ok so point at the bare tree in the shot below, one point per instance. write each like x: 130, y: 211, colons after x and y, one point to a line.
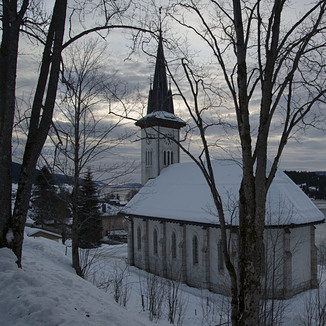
x: 83, y: 129
x: 50, y: 33
x: 273, y: 72
x: 12, y: 225
x: 12, y: 19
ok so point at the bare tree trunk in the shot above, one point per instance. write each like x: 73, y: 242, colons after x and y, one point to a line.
x: 250, y: 232
x: 75, y: 230
x: 11, y: 22
x: 40, y: 122
x: 249, y: 263
x: 12, y: 225
x: 75, y: 222
x: 270, y: 62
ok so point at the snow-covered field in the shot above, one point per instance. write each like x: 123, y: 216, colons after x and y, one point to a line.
x: 46, y: 291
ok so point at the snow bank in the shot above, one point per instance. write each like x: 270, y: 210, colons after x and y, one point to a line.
x: 46, y: 291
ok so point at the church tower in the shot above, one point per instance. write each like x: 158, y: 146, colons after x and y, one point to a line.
x: 160, y: 126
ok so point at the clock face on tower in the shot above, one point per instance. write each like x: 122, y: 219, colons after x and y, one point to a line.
x: 149, y: 138
x: 168, y: 139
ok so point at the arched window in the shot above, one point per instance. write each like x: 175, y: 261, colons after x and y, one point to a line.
x: 155, y: 242
x: 195, y: 250
x: 167, y: 157
x: 220, y: 257
x: 174, y: 245
x: 138, y: 238
x: 149, y: 158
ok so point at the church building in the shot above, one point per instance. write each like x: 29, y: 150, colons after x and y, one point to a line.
x: 173, y: 225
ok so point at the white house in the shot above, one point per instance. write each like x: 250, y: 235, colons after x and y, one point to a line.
x: 173, y: 225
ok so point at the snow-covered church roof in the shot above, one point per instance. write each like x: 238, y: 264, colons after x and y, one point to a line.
x: 180, y: 193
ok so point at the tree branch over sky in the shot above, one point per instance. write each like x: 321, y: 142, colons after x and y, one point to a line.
x: 272, y: 67
x: 81, y: 138
x: 22, y: 16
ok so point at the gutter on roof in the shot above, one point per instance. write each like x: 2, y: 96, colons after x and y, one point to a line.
x: 204, y: 224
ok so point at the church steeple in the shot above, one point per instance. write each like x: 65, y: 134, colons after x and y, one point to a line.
x: 160, y: 128
x: 160, y: 97
x: 160, y: 110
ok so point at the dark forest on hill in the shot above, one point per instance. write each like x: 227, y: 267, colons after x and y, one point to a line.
x: 312, y: 183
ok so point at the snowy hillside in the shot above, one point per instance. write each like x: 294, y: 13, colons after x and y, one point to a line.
x: 48, y: 292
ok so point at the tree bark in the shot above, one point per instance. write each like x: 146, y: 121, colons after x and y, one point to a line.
x: 277, y: 58
x: 40, y: 122
x: 250, y: 231
x: 11, y: 22
x: 75, y: 219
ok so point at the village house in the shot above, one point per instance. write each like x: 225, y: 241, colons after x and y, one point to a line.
x: 173, y: 225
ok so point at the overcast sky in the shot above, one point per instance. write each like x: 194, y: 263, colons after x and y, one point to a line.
x: 306, y: 152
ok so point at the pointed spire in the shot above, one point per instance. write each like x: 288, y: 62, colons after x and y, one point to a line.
x: 160, y: 97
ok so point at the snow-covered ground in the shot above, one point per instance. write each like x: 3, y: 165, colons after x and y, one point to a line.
x: 46, y: 291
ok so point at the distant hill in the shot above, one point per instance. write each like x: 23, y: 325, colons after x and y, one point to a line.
x: 61, y: 179
x: 16, y: 171
x: 312, y: 183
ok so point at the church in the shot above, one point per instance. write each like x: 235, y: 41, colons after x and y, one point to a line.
x: 173, y: 225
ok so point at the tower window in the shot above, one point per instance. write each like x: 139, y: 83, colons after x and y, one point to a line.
x: 149, y: 158
x: 167, y: 157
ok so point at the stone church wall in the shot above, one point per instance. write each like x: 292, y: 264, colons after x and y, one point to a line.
x: 157, y: 252
x: 168, y: 249
x: 195, y: 269
x: 219, y: 278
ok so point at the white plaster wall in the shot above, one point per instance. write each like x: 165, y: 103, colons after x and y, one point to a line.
x: 274, y: 251
x: 138, y: 256
x: 166, y: 145
x: 148, y: 172
x: 219, y: 279
x: 301, y: 255
x: 195, y: 272
x: 155, y: 260
x: 157, y: 145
